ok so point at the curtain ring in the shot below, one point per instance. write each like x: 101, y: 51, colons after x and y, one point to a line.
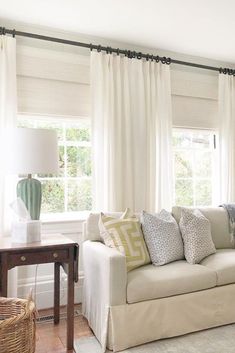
x: 147, y: 57
x: 118, y: 51
x: 139, y: 56
x: 225, y: 71
x: 151, y: 57
x: 13, y: 33
x: 99, y: 48
x: 91, y: 47
x: 220, y: 70
x: 168, y: 61
x: 3, y: 31
x: 157, y: 59
x: 163, y: 60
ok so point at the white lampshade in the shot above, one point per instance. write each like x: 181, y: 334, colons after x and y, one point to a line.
x: 32, y: 151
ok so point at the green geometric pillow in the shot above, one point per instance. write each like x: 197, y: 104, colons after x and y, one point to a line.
x: 126, y: 236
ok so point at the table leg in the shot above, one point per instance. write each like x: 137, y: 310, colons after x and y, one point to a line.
x: 3, y: 275
x: 56, y: 292
x: 70, y: 300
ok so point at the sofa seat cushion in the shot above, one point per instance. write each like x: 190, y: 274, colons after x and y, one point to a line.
x: 179, y: 277
x: 223, y: 263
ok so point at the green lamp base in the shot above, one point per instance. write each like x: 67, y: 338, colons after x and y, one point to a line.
x: 30, y: 191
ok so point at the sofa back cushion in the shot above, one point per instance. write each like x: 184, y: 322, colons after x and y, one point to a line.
x: 219, y: 221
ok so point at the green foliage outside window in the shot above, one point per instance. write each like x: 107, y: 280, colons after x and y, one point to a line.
x: 53, y: 196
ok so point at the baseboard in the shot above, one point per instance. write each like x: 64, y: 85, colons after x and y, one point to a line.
x: 45, y: 290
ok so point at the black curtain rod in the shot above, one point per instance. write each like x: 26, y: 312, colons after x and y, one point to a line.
x: 129, y: 53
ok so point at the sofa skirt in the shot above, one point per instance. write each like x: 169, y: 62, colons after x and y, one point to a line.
x: 134, y: 324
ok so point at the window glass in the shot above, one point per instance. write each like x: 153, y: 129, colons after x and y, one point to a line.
x: 193, y: 167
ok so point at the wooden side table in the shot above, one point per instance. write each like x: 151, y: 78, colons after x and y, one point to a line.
x: 52, y: 248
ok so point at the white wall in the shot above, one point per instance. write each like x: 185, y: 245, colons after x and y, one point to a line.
x: 54, y: 79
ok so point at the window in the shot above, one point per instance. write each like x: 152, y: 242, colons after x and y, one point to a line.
x: 70, y: 190
x: 193, y: 166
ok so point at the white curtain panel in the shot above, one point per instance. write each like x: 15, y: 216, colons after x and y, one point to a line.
x: 131, y: 129
x: 227, y: 138
x: 8, y: 119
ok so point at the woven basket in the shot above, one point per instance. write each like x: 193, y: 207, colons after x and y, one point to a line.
x: 17, y: 325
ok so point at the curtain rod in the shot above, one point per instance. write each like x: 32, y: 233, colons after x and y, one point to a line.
x: 128, y: 53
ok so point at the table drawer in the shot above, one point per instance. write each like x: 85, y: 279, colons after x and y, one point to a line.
x: 31, y: 258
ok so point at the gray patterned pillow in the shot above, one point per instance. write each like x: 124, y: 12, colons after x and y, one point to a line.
x: 162, y: 237
x: 196, y: 232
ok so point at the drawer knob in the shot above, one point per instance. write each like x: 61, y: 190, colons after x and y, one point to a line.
x: 55, y: 255
x: 23, y: 258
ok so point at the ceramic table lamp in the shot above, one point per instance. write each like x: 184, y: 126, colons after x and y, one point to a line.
x: 32, y: 151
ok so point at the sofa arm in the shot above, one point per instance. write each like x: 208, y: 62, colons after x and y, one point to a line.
x: 104, y: 285
x: 105, y: 273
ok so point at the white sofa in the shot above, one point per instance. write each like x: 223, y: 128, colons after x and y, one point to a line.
x: 150, y: 302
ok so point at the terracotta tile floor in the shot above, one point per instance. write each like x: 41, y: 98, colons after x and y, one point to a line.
x: 51, y: 338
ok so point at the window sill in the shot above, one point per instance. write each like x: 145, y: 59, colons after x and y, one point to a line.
x: 64, y: 217
x: 65, y: 223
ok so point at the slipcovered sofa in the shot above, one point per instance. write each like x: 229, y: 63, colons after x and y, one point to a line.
x: 153, y: 302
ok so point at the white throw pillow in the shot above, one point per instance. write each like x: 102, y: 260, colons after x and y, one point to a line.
x: 196, y: 232
x: 162, y: 237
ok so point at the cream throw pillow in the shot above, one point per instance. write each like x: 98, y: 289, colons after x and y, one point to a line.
x: 196, y: 233
x: 126, y: 236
